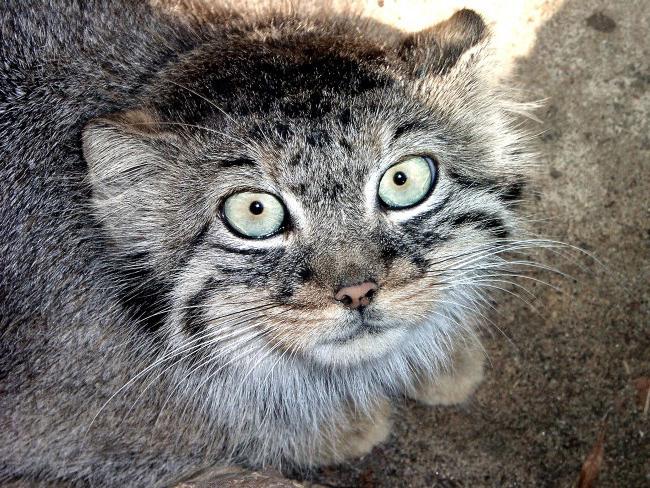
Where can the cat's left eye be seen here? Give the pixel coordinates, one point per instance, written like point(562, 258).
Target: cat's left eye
point(254, 215)
point(407, 183)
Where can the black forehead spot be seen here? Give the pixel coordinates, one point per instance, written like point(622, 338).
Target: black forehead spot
point(317, 76)
point(299, 189)
point(333, 190)
point(346, 172)
point(318, 138)
point(345, 117)
point(345, 144)
point(295, 160)
point(283, 131)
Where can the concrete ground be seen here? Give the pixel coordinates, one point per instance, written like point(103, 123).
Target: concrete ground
point(577, 367)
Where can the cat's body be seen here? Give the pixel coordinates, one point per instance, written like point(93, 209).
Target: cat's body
point(142, 339)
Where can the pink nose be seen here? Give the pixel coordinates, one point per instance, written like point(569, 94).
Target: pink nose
point(358, 295)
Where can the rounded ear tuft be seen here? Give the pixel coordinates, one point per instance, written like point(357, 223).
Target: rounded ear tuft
point(462, 30)
point(116, 143)
point(138, 122)
point(437, 49)
point(125, 173)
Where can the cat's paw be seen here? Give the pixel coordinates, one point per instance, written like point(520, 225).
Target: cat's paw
point(456, 386)
point(364, 432)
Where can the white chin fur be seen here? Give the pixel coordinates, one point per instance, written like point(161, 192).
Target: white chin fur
point(362, 348)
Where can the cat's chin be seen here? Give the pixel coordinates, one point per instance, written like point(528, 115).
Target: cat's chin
point(359, 347)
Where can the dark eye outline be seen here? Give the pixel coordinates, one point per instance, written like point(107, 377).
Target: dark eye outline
point(284, 226)
point(433, 168)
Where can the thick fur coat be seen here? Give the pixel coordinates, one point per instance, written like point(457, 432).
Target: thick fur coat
point(142, 341)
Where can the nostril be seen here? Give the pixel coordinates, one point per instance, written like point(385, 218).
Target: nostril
point(345, 300)
point(357, 295)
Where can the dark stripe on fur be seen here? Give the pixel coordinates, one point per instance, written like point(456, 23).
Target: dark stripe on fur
point(245, 252)
point(194, 243)
point(193, 308)
point(143, 294)
point(229, 163)
point(426, 216)
point(471, 183)
point(409, 126)
point(482, 220)
point(509, 192)
point(512, 194)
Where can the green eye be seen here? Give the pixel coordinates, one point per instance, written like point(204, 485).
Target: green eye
point(407, 183)
point(256, 215)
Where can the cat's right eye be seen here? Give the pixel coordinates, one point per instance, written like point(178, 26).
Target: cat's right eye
point(254, 215)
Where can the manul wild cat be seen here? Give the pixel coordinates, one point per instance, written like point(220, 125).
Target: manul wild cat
point(237, 239)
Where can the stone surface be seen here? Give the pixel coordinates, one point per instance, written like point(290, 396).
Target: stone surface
point(232, 477)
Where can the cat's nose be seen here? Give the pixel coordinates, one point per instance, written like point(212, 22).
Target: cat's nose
point(357, 296)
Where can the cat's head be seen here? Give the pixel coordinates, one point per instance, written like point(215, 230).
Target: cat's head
point(309, 191)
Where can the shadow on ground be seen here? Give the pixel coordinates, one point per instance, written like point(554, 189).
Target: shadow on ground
point(569, 370)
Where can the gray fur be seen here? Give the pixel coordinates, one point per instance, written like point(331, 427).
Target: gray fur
point(128, 355)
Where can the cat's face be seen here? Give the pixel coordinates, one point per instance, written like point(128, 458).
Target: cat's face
point(305, 198)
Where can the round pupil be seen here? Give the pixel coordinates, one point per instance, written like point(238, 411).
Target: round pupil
point(399, 178)
point(256, 208)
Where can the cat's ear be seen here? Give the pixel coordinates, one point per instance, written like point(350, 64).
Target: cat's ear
point(119, 150)
point(126, 173)
point(436, 50)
